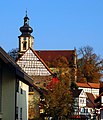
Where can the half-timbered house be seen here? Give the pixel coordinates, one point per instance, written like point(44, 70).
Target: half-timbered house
point(34, 66)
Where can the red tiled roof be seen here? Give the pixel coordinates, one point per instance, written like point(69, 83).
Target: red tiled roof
point(90, 100)
point(42, 60)
point(98, 98)
point(94, 85)
point(89, 85)
point(49, 55)
point(84, 85)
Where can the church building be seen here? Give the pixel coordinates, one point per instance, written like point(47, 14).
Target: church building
point(34, 62)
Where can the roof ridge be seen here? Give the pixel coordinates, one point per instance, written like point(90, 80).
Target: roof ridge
point(89, 97)
point(54, 50)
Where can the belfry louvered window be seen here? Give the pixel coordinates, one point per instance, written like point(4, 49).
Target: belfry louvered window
point(24, 45)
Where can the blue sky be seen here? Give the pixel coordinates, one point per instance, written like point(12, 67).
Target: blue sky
point(57, 24)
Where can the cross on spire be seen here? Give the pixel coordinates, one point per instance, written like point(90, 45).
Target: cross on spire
point(26, 12)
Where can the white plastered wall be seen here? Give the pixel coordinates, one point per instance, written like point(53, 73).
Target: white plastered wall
point(22, 100)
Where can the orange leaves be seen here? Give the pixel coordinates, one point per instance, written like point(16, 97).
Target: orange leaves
point(89, 66)
point(59, 100)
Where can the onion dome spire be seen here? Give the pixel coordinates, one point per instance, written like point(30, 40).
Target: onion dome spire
point(26, 30)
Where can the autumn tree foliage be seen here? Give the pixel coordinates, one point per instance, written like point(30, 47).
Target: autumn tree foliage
point(60, 65)
point(65, 72)
point(59, 62)
point(90, 66)
point(58, 102)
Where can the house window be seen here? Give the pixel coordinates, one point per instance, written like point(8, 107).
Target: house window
point(86, 110)
point(16, 113)
point(21, 91)
point(80, 100)
point(17, 85)
point(20, 113)
point(21, 88)
point(83, 110)
point(31, 89)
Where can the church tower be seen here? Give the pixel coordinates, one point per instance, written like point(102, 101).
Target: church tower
point(26, 40)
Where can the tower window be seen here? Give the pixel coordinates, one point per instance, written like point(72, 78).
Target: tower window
point(24, 45)
point(24, 38)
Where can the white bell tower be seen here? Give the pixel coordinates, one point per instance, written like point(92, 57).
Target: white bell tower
point(25, 39)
